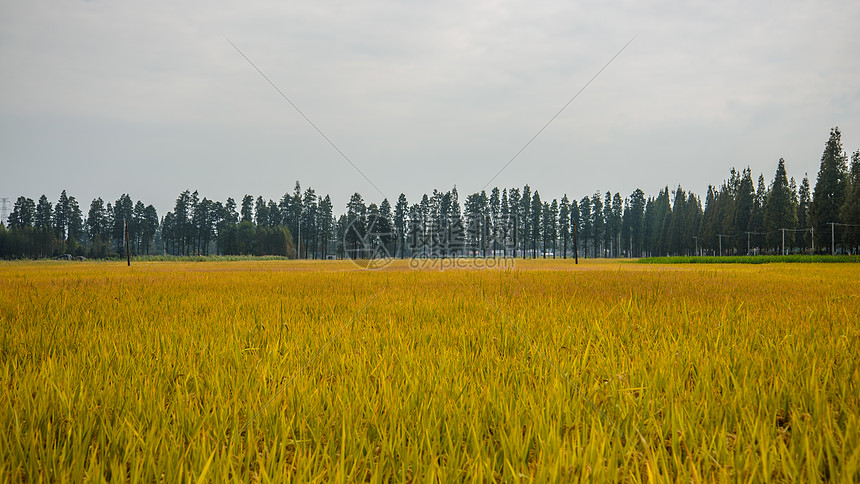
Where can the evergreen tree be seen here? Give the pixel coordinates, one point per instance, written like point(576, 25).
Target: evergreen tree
point(150, 227)
point(193, 226)
point(486, 223)
point(473, 212)
point(851, 206)
point(247, 211)
point(75, 229)
point(97, 220)
point(296, 214)
point(756, 226)
point(309, 227)
point(494, 212)
point(23, 213)
point(829, 194)
point(584, 225)
point(61, 218)
point(136, 227)
point(457, 232)
point(97, 228)
point(798, 233)
point(609, 227)
point(564, 224)
point(616, 213)
point(675, 224)
point(285, 207)
point(203, 222)
point(514, 220)
point(401, 212)
point(505, 214)
point(231, 217)
point(551, 226)
point(692, 223)
point(744, 206)
point(525, 218)
point(274, 215)
point(123, 211)
point(246, 239)
point(385, 228)
point(545, 228)
point(181, 223)
point(326, 225)
point(44, 237)
point(535, 226)
point(261, 213)
point(575, 222)
point(804, 196)
point(44, 218)
point(414, 232)
point(657, 215)
point(779, 212)
point(355, 227)
point(636, 222)
point(224, 223)
point(598, 225)
point(426, 213)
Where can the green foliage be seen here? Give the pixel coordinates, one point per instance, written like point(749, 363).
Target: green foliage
point(248, 239)
point(829, 195)
point(850, 213)
point(779, 212)
point(739, 216)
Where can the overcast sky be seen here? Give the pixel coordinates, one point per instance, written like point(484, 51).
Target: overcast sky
point(148, 98)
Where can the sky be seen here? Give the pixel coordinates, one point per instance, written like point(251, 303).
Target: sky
point(149, 97)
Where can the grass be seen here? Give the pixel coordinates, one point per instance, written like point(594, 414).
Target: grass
point(262, 371)
point(750, 259)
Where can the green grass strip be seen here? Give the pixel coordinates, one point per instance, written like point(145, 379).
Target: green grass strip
point(749, 259)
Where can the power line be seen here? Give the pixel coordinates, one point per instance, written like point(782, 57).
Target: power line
point(558, 113)
point(321, 133)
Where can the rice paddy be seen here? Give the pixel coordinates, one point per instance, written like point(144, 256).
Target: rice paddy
point(275, 371)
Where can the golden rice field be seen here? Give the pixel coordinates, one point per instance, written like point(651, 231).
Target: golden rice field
point(274, 371)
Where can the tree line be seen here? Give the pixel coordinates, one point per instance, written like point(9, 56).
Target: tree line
point(742, 215)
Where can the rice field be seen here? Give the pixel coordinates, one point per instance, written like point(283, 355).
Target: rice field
point(276, 371)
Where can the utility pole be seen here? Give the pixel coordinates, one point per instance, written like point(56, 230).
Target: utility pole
point(127, 252)
point(721, 242)
point(783, 241)
point(832, 238)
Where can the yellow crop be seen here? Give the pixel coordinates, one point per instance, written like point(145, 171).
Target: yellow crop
point(318, 371)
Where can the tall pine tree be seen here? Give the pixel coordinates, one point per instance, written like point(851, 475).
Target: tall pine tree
point(851, 207)
point(829, 194)
point(779, 211)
